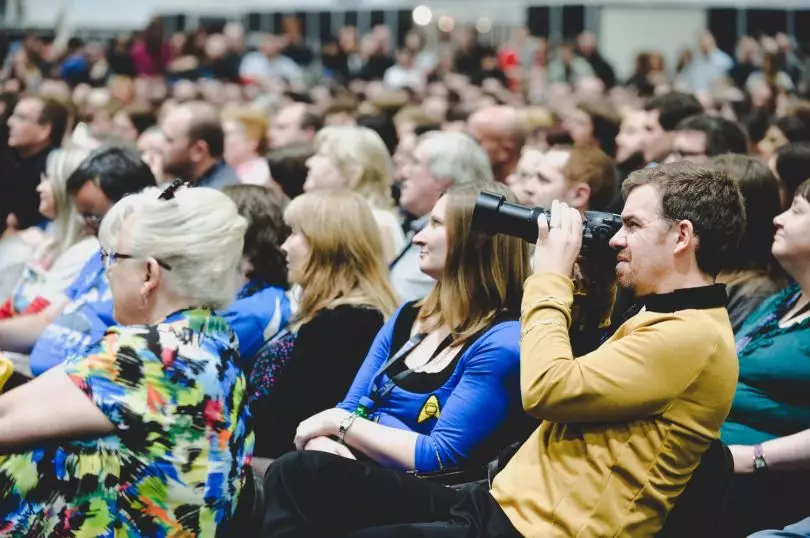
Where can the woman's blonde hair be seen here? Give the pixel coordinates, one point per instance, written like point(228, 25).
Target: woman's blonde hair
point(361, 156)
point(198, 233)
point(483, 275)
point(253, 121)
point(68, 225)
point(346, 263)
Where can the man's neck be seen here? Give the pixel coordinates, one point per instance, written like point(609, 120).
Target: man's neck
point(202, 169)
point(29, 151)
point(681, 282)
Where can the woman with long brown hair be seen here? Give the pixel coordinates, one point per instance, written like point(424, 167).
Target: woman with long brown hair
point(335, 255)
point(439, 387)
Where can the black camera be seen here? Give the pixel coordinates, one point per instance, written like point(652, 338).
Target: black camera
point(493, 215)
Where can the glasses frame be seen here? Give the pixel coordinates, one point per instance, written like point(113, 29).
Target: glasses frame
point(108, 257)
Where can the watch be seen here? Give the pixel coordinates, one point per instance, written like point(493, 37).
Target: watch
point(343, 429)
point(760, 465)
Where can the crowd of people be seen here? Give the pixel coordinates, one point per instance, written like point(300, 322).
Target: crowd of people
point(250, 280)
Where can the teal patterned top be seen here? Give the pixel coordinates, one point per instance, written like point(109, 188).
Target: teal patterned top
point(182, 443)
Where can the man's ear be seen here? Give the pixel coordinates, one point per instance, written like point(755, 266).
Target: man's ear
point(686, 237)
point(580, 195)
point(199, 151)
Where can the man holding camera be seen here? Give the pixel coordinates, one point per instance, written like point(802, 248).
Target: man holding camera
point(626, 425)
point(623, 427)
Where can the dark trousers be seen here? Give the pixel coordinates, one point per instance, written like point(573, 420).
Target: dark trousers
point(319, 495)
point(771, 500)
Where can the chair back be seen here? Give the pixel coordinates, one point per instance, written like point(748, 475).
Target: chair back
point(247, 520)
point(698, 510)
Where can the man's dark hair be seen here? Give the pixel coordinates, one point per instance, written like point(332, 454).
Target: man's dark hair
point(311, 120)
point(760, 191)
point(792, 165)
point(383, 125)
point(706, 197)
point(118, 171)
point(288, 167)
point(722, 136)
point(674, 107)
point(263, 209)
point(56, 114)
point(208, 128)
point(794, 128)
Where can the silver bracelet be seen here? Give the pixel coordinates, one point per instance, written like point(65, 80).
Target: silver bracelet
point(345, 424)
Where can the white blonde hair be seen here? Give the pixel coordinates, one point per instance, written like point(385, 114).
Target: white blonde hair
point(362, 157)
point(68, 224)
point(199, 233)
point(455, 157)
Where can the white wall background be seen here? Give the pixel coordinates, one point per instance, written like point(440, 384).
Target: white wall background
point(626, 31)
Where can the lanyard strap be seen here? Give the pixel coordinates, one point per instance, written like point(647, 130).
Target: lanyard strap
point(380, 393)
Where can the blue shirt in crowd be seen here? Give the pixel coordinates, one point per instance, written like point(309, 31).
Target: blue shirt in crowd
point(456, 412)
point(87, 316)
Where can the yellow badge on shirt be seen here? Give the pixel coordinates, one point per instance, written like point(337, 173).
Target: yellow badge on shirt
point(429, 410)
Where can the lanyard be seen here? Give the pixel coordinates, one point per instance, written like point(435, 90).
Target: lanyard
point(380, 393)
point(771, 321)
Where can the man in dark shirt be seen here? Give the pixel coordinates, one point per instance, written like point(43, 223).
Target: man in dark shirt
point(195, 145)
point(36, 127)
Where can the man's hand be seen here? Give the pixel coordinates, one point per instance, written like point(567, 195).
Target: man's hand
point(558, 241)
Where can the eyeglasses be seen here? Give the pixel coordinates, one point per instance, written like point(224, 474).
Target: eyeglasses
point(109, 257)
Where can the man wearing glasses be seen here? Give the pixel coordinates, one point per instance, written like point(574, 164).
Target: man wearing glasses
point(83, 314)
point(36, 127)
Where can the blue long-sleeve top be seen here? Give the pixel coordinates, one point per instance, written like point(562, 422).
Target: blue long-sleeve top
point(459, 412)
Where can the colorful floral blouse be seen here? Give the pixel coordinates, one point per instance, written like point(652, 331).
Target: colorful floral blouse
point(177, 460)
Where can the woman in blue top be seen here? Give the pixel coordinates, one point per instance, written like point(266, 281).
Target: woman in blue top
point(261, 308)
point(439, 386)
point(768, 429)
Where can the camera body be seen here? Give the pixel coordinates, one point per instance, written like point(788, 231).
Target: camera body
point(493, 214)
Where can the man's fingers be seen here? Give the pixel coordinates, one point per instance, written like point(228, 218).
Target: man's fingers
point(542, 228)
point(555, 214)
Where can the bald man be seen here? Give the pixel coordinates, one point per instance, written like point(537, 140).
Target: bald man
point(499, 130)
point(194, 146)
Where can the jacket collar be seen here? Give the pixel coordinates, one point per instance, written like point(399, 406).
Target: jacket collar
point(701, 298)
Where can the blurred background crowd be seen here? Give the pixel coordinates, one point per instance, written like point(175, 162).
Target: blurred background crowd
point(386, 111)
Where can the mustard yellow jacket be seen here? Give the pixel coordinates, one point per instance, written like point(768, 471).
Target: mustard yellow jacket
point(623, 427)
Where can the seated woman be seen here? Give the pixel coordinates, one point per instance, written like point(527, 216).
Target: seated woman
point(335, 256)
point(146, 432)
point(752, 274)
point(66, 246)
point(245, 143)
point(261, 308)
point(771, 408)
point(355, 158)
point(440, 385)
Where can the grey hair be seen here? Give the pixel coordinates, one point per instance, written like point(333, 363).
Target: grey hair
point(199, 233)
point(455, 157)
